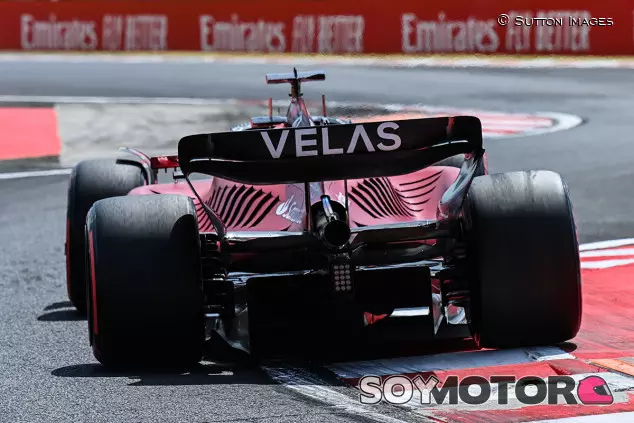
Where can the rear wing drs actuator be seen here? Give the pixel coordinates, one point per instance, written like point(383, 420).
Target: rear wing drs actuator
point(336, 152)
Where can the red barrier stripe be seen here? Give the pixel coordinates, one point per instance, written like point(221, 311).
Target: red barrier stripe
point(322, 26)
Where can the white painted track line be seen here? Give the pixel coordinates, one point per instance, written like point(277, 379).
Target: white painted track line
point(607, 244)
point(307, 384)
point(34, 174)
point(446, 361)
point(611, 252)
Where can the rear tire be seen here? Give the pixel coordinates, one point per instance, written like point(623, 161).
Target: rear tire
point(146, 298)
point(90, 181)
point(523, 256)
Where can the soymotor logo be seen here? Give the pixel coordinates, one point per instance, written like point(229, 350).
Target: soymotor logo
point(477, 390)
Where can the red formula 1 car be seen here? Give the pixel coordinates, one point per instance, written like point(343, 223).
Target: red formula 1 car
point(316, 229)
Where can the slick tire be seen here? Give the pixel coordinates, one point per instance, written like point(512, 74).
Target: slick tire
point(523, 257)
point(145, 289)
point(91, 180)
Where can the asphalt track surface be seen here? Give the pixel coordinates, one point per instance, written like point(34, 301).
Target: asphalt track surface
point(47, 372)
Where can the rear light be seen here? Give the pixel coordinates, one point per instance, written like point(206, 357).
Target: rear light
point(342, 275)
point(164, 162)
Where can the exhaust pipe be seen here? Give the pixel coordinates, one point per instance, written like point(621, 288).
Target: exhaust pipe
point(330, 223)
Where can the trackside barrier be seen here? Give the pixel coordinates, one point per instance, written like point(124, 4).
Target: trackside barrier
point(543, 27)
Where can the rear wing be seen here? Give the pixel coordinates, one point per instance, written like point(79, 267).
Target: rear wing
point(347, 151)
point(282, 78)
